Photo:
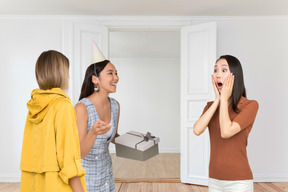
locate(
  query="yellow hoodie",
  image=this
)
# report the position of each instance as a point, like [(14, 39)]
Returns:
[(50, 151)]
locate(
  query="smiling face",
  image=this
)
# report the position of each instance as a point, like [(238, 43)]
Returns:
[(221, 72), (108, 78)]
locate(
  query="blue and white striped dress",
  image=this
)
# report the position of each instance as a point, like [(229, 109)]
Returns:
[(98, 163)]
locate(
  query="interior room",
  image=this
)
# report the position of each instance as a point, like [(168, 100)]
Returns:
[(151, 48), (148, 63)]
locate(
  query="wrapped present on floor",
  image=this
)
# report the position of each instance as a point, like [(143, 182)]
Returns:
[(137, 146)]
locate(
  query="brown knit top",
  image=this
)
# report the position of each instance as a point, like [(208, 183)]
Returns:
[(228, 157)]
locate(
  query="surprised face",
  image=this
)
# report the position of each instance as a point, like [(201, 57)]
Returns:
[(221, 72)]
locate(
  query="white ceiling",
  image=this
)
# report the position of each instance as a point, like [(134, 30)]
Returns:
[(146, 7)]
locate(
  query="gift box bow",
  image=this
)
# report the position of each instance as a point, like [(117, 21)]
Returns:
[(146, 137)]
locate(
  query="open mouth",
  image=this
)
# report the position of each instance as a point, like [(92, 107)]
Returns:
[(219, 84)]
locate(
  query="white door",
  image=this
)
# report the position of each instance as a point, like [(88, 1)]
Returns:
[(77, 46), (198, 55)]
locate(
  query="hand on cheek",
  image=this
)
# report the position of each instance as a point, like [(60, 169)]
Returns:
[(216, 91), (227, 88)]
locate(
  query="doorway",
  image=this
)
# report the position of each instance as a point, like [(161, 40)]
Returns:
[(142, 89), (148, 65)]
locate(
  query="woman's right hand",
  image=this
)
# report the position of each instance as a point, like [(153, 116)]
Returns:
[(100, 128), (216, 91)]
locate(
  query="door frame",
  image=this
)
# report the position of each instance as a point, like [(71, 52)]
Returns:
[(142, 24)]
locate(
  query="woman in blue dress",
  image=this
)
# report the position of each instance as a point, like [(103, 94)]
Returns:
[(97, 121)]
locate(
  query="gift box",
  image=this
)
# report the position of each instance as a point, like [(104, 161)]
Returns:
[(137, 146)]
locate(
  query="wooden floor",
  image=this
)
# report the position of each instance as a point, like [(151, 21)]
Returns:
[(165, 187), (162, 166), (158, 174), (180, 187)]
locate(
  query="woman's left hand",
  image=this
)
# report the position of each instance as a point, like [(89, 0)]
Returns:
[(227, 88)]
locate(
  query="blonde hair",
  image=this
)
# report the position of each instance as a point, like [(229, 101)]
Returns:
[(52, 70)]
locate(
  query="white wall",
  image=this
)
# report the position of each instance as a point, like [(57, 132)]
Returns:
[(21, 42), (260, 44), (262, 47), (149, 97)]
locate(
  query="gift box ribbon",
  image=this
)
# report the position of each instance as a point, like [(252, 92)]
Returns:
[(146, 138)]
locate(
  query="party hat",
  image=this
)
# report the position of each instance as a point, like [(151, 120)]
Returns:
[(97, 55)]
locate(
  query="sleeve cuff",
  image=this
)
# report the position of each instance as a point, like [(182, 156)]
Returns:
[(72, 170)]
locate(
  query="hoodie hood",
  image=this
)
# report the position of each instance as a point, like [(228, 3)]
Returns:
[(38, 106)]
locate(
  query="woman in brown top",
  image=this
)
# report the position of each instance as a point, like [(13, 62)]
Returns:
[(229, 118)]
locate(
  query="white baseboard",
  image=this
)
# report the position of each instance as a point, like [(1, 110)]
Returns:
[(11, 178), (270, 177), (169, 150)]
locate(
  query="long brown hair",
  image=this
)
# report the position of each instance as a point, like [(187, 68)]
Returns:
[(52, 70), (87, 85), (239, 89)]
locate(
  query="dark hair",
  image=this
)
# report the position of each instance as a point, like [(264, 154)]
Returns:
[(87, 85), (238, 87), (51, 70)]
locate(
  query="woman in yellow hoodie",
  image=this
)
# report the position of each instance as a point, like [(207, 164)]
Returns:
[(50, 159)]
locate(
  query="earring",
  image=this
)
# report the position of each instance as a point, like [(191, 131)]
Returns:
[(96, 89)]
